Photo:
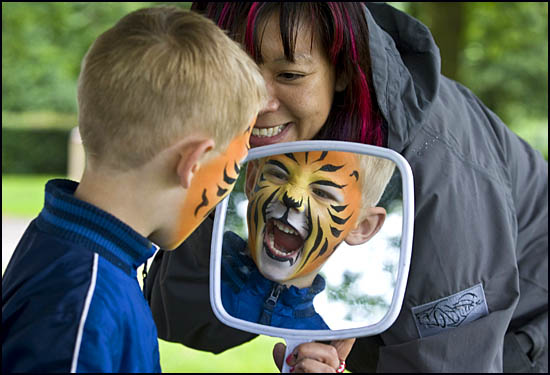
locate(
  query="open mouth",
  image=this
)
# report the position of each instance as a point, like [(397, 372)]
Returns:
[(265, 136), (282, 242)]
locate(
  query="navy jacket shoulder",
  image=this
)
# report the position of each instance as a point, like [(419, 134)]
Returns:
[(70, 297)]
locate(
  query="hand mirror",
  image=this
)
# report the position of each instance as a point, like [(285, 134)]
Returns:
[(314, 242)]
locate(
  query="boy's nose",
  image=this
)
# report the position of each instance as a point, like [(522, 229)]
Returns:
[(293, 202)]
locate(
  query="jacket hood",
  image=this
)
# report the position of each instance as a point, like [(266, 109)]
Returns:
[(405, 65)]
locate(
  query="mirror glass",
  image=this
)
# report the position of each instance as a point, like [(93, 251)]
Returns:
[(312, 240)]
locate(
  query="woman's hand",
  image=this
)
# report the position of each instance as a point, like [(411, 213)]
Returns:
[(314, 356)]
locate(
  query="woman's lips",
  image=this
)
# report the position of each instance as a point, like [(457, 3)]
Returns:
[(268, 136)]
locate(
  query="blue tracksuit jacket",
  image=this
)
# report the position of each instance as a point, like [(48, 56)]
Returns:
[(71, 301), (248, 295)]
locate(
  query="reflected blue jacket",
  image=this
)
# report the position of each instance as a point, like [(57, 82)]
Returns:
[(71, 301), (247, 295)]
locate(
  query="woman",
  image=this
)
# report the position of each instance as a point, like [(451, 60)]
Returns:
[(369, 73)]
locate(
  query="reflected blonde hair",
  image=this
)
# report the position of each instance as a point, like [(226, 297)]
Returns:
[(158, 75), (376, 173)]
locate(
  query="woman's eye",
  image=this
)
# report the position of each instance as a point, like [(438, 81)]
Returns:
[(290, 76)]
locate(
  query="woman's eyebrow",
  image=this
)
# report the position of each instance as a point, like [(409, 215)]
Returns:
[(301, 58)]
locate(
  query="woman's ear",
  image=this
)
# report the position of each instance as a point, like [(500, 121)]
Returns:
[(342, 81), (368, 227), (191, 154)]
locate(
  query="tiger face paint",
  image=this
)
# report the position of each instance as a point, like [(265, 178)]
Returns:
[(212, 183), (301, 208)]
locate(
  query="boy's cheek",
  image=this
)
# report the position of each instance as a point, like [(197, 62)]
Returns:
[(211, 184)]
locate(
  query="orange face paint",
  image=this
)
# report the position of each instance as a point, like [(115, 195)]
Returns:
[(210, 184), (301, 208)]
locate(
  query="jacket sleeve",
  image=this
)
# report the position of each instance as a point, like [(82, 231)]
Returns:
[(481, 217), (526, 343), (177, 290), (25, 351)]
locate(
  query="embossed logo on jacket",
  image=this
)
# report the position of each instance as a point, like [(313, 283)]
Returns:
[(450, 312)]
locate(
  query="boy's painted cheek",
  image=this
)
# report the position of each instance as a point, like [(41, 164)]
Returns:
[(210, 184)]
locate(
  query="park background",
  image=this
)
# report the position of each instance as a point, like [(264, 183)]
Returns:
[(498, 50)]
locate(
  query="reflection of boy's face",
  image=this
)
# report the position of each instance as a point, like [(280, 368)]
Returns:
[(302, 206), (210, 184)]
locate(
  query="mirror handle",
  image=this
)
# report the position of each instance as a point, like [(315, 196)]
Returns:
[(291, 344)]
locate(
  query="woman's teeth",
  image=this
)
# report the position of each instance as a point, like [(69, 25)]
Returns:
[(268, 132)]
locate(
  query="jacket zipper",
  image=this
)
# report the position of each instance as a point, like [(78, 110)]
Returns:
[(270, 304)]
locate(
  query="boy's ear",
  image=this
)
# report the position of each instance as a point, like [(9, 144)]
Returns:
[(191, 154), (367, 228)]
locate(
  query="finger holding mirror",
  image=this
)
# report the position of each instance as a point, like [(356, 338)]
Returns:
[(294, 255), (315, 357)]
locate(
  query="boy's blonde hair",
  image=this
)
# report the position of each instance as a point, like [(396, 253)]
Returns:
[(376, 174), (159, 75)]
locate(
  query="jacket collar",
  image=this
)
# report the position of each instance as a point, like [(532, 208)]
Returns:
[(293, 296), (93, 228), (246, 274)]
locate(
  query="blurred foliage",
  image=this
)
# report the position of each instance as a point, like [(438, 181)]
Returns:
[(43, 45), (500, 50), (361, 307), (497, 49), (24, 150)]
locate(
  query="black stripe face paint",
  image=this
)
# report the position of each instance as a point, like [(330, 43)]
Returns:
[(204, 202), (308, 201)]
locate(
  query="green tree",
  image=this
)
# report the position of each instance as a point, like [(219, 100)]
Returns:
[(43, 45), (498, 50)]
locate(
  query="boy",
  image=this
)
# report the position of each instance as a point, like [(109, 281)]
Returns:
[(166, 105), (302, 206)]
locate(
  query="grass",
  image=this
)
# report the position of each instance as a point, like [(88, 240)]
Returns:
[(254, 356), (39, 120), (23, 195)]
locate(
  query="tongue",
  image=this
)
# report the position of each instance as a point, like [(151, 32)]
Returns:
[(288, 242)]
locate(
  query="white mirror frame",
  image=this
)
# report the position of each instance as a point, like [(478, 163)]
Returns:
[(404, 257)]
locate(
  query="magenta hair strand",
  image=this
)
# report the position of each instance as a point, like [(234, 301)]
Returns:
[(249, 36)]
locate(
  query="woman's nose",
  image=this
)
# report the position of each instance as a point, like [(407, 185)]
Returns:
[(273, 103)]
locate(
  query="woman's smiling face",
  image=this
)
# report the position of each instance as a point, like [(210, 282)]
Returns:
[(301, 92)]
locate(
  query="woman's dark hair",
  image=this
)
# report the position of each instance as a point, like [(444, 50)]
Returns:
[(342, 27)]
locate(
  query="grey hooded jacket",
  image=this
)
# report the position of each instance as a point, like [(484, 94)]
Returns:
[(481, 230)]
